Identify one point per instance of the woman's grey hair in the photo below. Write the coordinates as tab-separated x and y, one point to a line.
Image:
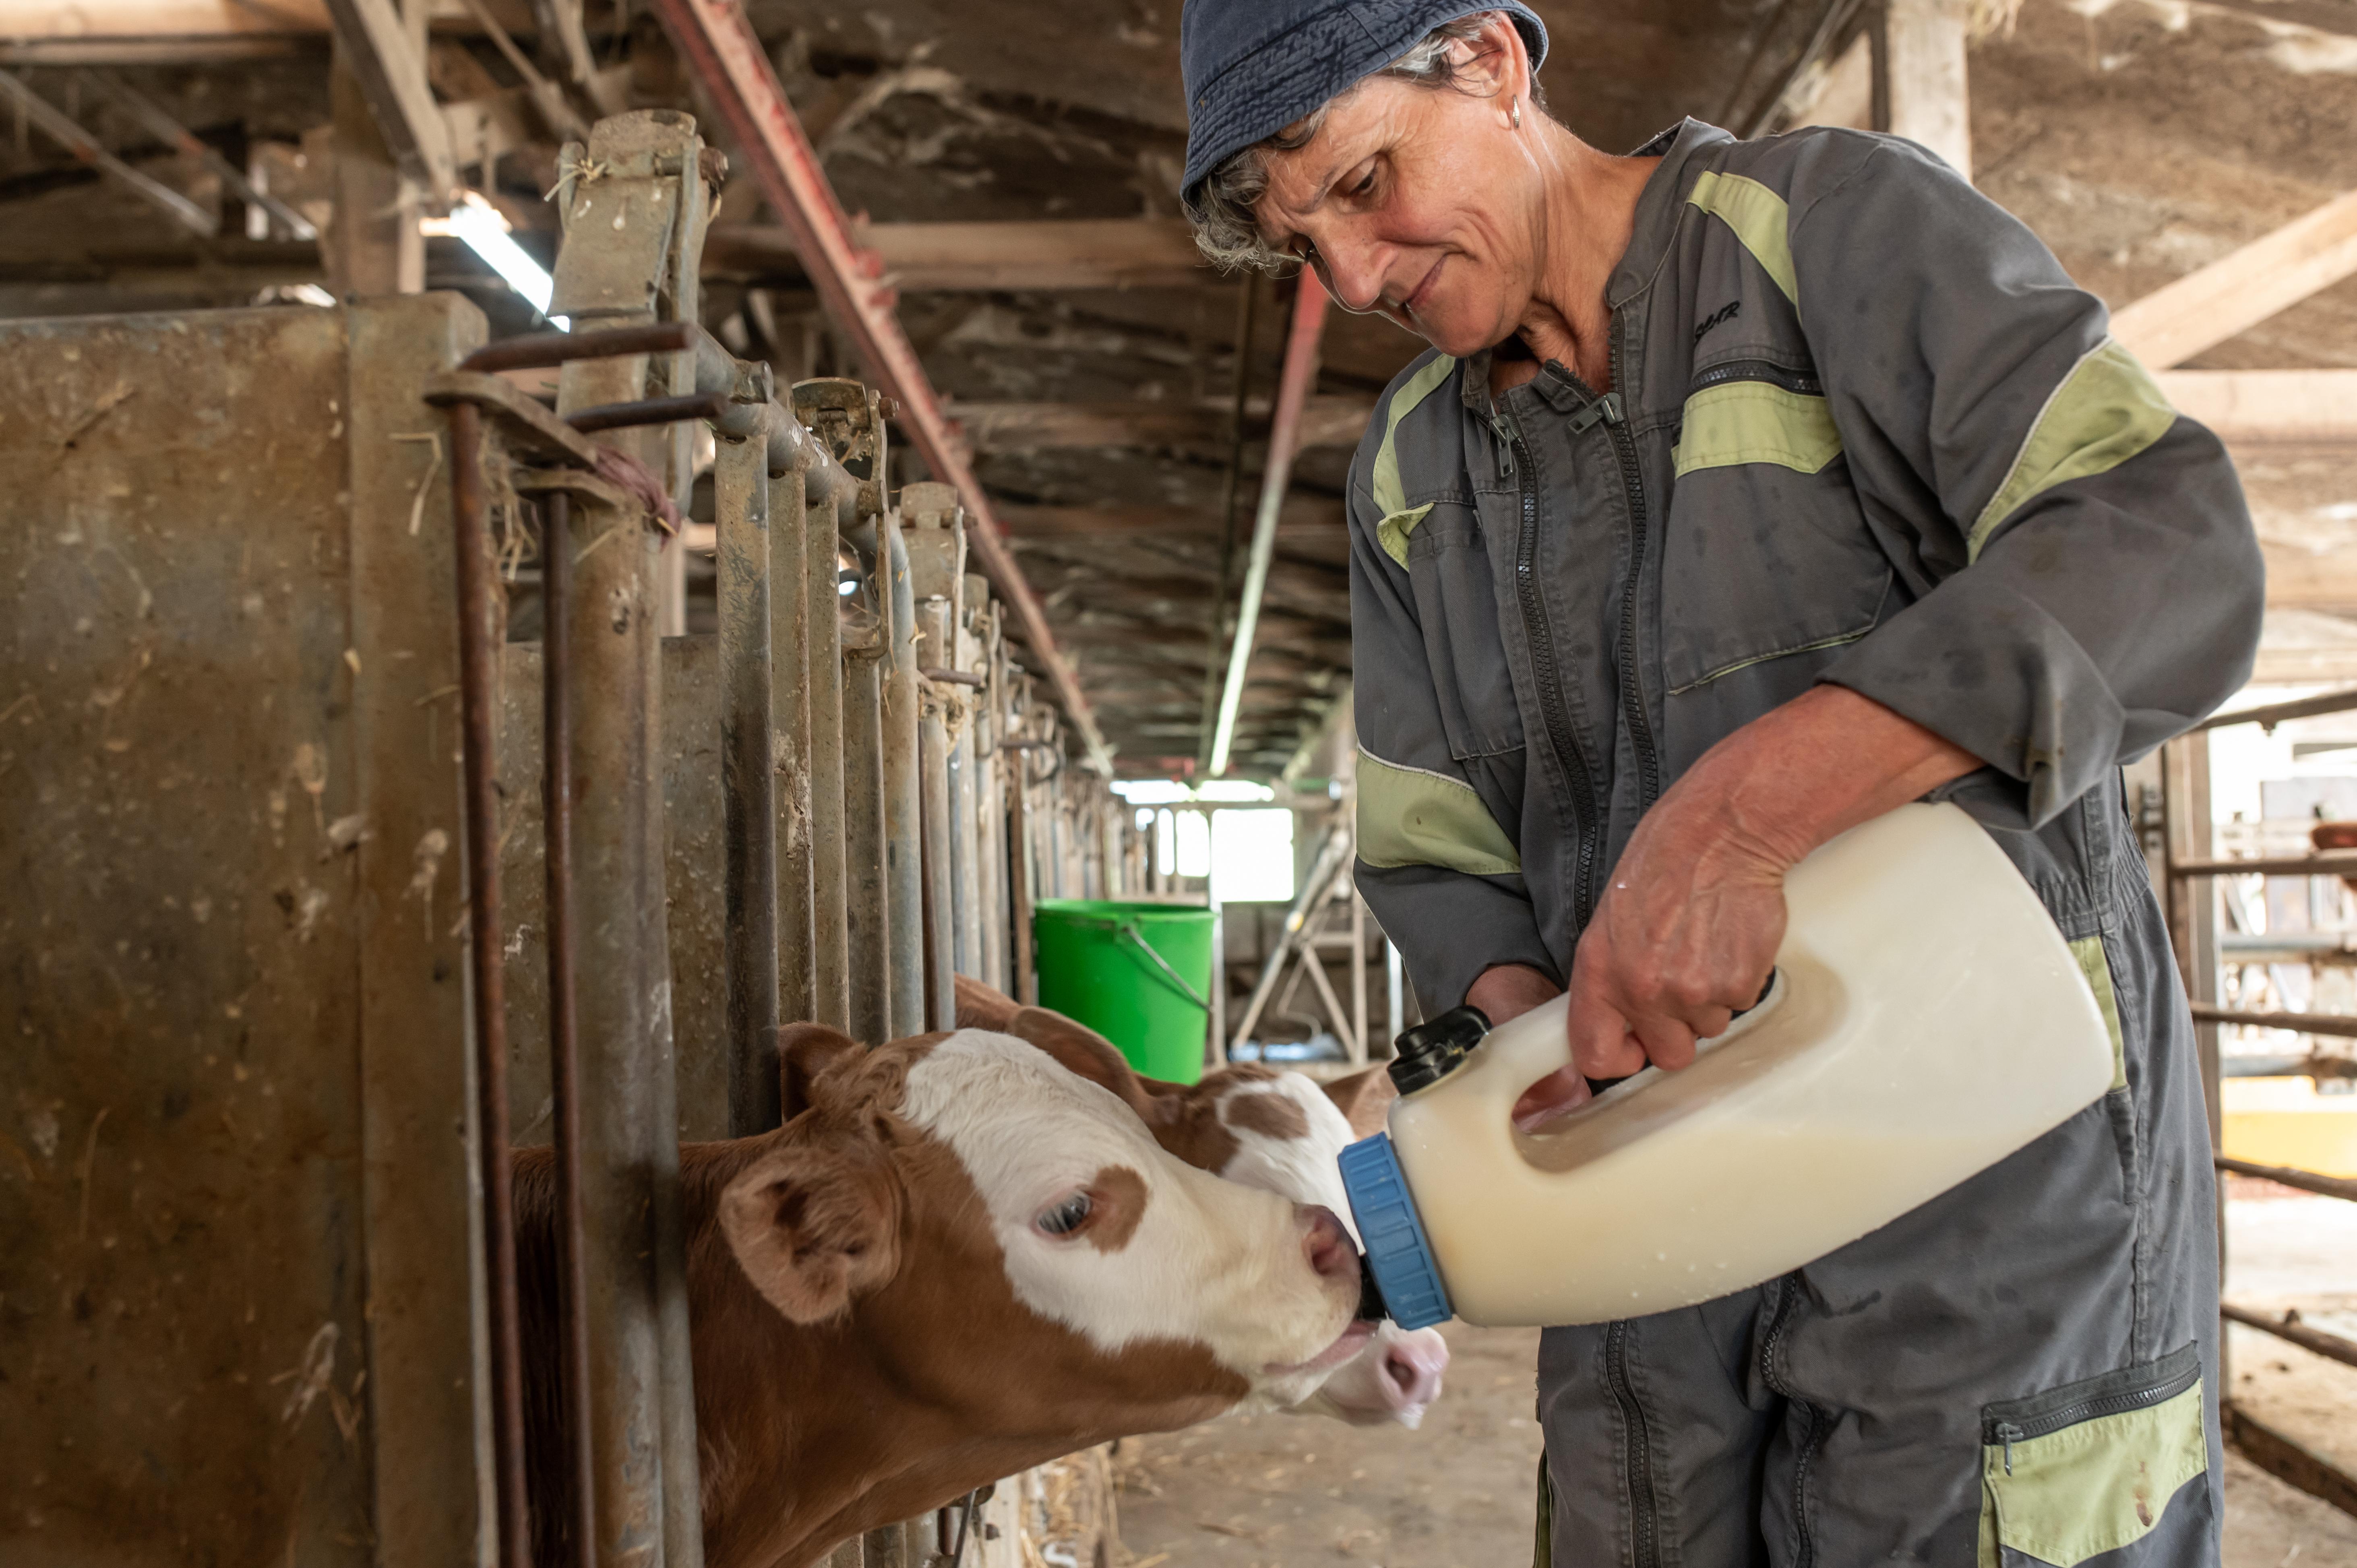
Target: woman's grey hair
1225	230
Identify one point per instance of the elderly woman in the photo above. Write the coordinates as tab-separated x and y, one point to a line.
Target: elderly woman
1751	490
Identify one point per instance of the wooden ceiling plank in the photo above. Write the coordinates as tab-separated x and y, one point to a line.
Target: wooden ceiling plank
2238	291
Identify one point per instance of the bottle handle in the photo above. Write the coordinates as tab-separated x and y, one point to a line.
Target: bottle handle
1539	1042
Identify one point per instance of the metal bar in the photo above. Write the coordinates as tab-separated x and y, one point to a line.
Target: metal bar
2338	1025
170	131
933	817
717	41
1358	980
477	636
1395	988
748	806
791	523
2332	1346
903	792
54	124
564	1038
965	848
2306	1181
543	350
1293	385
864	851
823	666
2280	1456
2320	1067
2275	714
1018	876
2333	863
649	410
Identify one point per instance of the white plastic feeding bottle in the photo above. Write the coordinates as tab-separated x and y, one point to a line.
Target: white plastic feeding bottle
1926	1020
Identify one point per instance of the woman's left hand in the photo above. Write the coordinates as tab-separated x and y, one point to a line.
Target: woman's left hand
1685	937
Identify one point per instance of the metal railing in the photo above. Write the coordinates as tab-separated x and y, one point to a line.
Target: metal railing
2188	865
886	818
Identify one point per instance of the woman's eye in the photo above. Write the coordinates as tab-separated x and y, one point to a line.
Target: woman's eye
1365	184
1066	1217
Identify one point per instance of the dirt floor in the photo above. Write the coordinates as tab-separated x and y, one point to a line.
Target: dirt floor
1265	1491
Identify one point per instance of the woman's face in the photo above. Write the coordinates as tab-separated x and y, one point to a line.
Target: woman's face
1419	202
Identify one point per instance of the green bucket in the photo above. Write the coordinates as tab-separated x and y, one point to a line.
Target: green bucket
1136	973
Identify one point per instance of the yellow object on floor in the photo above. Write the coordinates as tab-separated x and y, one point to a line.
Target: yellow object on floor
2284	1122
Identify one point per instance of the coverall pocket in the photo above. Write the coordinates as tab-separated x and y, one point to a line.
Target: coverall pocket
2093	1467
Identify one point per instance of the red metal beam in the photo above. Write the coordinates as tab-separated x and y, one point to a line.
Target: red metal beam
726	58
1293	384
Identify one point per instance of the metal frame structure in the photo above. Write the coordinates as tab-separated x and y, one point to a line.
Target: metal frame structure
2188	870
717	41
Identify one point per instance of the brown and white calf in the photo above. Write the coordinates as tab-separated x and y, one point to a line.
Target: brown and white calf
955	1260
1278	1131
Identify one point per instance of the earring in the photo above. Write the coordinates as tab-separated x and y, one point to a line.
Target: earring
1514	112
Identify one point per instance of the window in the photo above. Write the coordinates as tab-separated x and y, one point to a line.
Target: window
1252	856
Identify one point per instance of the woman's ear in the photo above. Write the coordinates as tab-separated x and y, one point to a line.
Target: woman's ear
815	1223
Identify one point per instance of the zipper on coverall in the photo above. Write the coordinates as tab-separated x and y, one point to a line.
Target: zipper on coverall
1643	1503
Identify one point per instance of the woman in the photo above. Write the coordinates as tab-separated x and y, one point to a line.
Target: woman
1753	490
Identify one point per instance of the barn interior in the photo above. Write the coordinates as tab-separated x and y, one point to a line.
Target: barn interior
947	239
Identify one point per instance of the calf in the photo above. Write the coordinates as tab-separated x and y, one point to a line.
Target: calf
955	1260
1276	1131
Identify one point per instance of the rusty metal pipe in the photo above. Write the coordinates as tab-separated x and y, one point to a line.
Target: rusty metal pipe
864	851
789	606
543	350
649	410
749	808
903	795
564	1041
478	634
830	931
933	750
629	1129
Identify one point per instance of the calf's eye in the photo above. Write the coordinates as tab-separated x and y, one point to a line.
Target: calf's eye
1066	1217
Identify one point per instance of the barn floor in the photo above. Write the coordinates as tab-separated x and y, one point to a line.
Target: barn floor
1261	1492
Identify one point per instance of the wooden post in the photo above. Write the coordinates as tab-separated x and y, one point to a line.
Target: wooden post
1924	79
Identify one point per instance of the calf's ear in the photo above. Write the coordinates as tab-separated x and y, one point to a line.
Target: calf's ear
981	1007
804	1051
1082	1050
815	1223
1364	1099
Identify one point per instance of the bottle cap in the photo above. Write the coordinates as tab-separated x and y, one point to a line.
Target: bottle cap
1432	1050
1398	1254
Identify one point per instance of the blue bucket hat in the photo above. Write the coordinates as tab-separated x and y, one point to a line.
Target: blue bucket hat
1254	67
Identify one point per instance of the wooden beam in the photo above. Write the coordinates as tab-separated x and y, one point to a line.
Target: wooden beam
1327	420
1088	253
1924	61
390	69
2258	407
2305	580
2236	291
28	20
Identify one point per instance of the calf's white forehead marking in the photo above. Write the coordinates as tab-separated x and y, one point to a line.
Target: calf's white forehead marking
1210	1261
1303	1169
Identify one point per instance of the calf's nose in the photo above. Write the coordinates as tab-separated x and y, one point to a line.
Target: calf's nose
1328	1245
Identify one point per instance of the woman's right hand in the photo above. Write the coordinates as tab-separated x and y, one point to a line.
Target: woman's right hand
1509	991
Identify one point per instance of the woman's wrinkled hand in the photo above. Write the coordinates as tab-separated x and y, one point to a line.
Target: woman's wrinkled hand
1685	937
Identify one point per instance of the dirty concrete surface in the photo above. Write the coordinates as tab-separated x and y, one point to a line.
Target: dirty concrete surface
1274	1490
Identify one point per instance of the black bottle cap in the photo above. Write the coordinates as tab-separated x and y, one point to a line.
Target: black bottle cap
1431	1052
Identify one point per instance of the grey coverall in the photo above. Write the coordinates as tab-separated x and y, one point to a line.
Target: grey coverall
1863	429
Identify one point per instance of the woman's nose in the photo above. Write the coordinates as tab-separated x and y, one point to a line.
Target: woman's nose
1353	273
